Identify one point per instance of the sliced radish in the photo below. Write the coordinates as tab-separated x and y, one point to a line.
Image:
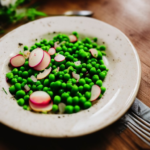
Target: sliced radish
44	74
61	107
41	108
17	60
56	44
36	57
40	98
52	51
76	76
34	79
94	52
77	63
59	58
26	54
45	62
26	87
57	69
95	92
72	38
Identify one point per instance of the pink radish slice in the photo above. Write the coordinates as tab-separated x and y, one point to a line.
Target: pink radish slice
44	74
40	98
26	54
41	108
59	58
17	60
76	76
7	79
57	69
56	44
45	62
26	87
94	52
52	51
36	57
95	92
77	63
61	107
72	38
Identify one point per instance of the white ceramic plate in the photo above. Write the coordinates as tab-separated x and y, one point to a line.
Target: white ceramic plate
122	81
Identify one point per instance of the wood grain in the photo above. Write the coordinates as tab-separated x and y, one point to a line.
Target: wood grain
132	18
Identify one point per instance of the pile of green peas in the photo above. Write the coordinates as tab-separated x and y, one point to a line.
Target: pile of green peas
60	85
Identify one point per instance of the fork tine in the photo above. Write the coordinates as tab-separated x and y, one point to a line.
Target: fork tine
141	124
140	119
132	129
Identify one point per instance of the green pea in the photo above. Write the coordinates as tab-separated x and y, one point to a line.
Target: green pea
66	76
25	107
45	89
87	95
58	49
20	79
75	100
15	71
82	100
102	47
64	96
97	66
12	89
61	91
69	109
74	89
40	87
55	108
17	86
50	93
102	75
25	47
95	78
29	85
103	89
13	81
25	74
26	98
86	87
93	63
99	55
69	85
83	70
91	84
30	72
38	83
22	68
63	85
29	81
82	81
93	70
52	77
20	73
73	81
33	87
57	99
80	88
100	96
9	75
46	82
20	101
30	92
101	62
20	94
99	83
76	108
102	67
87	104
69	100
62	67
89	66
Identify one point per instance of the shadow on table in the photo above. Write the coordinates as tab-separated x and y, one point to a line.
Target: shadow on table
14	140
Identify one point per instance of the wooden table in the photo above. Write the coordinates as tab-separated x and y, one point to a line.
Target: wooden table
133	18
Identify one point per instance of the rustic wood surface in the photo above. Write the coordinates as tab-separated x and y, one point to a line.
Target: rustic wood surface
133	18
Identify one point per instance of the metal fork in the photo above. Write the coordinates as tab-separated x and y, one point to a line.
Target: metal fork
138	126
